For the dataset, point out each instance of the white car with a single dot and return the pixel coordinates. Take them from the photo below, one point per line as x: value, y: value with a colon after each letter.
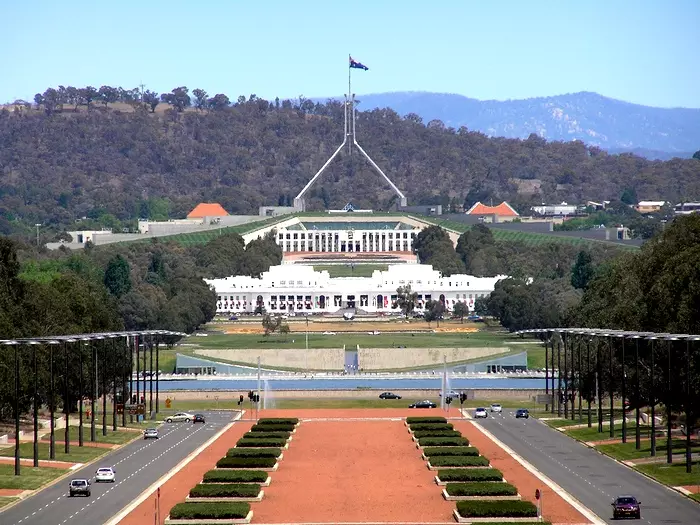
x: 495, y: 407
x: 105, y: 474
x: 480, y: 412
x: 180, y: 416
x: 150, y: 433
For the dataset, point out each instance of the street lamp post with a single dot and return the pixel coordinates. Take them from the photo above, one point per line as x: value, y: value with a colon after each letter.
x: 52, y: 405
x: 669, y: 396
x: 624, y: 394
x: 580, y: 382
x: 114, y: 383
x: 157, y: 374
x: 66, y: 400
x: 637, y: 395
x: 559, y: 378
x: 565, y: 340
x: 546, y: 371
x: 688, y: 404
x: 599, y: 386
x: 611, y: 390
x: 652, y: 400
x: 589, y: 383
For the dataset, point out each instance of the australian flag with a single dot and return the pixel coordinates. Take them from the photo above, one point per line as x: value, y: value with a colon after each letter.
x: 354, y: 64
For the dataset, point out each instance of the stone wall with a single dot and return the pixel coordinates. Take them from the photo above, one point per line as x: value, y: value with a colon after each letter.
x: 399, y: 358
x: 331, y: 359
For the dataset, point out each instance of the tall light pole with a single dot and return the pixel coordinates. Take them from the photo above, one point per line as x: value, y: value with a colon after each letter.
x: 37, y: 234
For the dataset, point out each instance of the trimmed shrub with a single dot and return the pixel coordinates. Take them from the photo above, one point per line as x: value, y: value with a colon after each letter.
x: 228, y: 490
x: 443, y: 442
x: 213, y: 510
x: 235, y: 476
x: 425, y: 419
x: 278, y: 421
x: 458, y: 461
x: 481, y: 489
x: 431, y: 426
x: 484, y: 474
x: 496, y: 509
x: 246, y: 462
x: 271, y: 428
x: 254, y: 453
x: 436, y: 433
x: 269, y: 442
x: 451, y: 451
x: 267, y: 435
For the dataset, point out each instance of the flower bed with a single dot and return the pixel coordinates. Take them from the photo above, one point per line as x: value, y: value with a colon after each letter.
x: 278, y: 421
x: 443, y: 442
x: 468, y: 510
x: 213, y: 512
x: 240, y: 463
x: 450, y: 451
x: 425, y: 419
x: 236, y: 476
x: 462, y: 475
x: 258, y: 443
x: 254, y: 453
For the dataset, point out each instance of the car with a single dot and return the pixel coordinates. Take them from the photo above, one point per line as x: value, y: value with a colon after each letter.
x: 423, y: 404
x: 150, y: 433
x: 495, y: 407
x: 480, y: 412
x: 389, y: 395
x: 105, y: 474
x: 198, y: 418
x: 79, y: 487
x: 452, y: 393
x: 180, y: 416
x: 522, y: 412
x: 626, y: 507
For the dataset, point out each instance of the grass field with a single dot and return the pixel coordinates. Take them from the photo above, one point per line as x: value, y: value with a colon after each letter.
x: 77, y: 454
x: 194, y: 238
x: 673, y: 475
x: 592, y: 434
x: 114, y: 438
x: 345, y: 270
x: 30, y: 478
x: 6, y: 501
x: 626, y: 451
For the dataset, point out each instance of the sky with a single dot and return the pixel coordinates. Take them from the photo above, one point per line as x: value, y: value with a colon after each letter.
x: 640, y: 51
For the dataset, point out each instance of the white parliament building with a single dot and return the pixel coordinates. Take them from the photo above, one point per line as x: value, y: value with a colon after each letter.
x: 296, y: 288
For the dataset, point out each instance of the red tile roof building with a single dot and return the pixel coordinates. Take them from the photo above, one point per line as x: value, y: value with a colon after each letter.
x: 207, y: 209
x: 502, y: 210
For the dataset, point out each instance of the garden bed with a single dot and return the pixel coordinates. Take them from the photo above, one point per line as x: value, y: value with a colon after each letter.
x: 237, y: 476
x: 495, y: 511
x: 450, y: 451
x: 442, y: 442
x: 265, y: 464
x: 480, y: 491
x: 255, y: 453
x: 219, y: 492
x: 424, y: 419
x: 287, y: 436
x: 422, y: 434
x: 273, y: 428
x: 209, y: 513
x: 444, y: 462
x: 468, y: 474
x: 262, y: 443
x: 279, y: 421
x: 419, y: 427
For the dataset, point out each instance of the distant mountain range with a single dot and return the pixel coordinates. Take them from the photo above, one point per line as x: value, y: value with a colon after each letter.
x: 613, y: 125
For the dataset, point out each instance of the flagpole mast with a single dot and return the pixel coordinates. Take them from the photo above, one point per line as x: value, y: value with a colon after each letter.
x: 348, y: 108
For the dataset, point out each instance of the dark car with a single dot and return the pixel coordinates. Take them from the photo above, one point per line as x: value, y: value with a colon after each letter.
x: 79, y: 486
x: 626, y: 507
x: 423, y: 404
x: 522, y: 412
x: 198, y: 418
x: 389, y: 395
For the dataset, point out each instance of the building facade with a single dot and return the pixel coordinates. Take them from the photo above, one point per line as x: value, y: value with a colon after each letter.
x: 300, y: 289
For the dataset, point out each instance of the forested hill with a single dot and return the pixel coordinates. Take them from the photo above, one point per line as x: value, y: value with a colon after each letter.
x: 101, y: 161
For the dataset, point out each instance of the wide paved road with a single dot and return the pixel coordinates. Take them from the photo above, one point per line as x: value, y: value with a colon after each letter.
x: 590, y: 477
x: 137, y: 465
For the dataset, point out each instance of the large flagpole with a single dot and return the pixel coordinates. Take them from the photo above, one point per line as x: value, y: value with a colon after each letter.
x: 348, y: 108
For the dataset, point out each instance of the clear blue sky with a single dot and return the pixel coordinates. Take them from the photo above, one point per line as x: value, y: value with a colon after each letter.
x: 642, y: 51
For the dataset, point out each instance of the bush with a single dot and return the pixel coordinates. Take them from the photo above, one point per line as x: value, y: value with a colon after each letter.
x: 496, y: 509
x: 266, y: 435
x: 278, y: 421
x: 268, y: 442
x: 443, y: 442
x: 235, y: 476
x: 431, y: 426
x: 458, y: 461
x: 451, y: 451
x: 482, y: 474
x: 425, y: 419
x: 228, y: 490
x: 254, y: 453
x: 436, y: 433
x: 272, y: 428
x: 246, y: 462
x: 213, y: 510
x: 481, y: 489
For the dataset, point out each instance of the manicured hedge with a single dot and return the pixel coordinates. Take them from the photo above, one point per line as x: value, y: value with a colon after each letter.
x: 254, y: 453
x: 246, y: 462
x: 431, y: 426
x: 278, y: 421
x: 271, y: 428
x: 268, y: 442
x: 458, y: 461
x: 481, y: 489
x: 213, y: 510
x: 425, y: 419
x: 235, y: 476
x: 451, y: 451
x: 482, y: 474
x: 437, y: 433
x: 443, y: 442
x: 267, y: 435
x: 224, y: 490
x: 496, y: 509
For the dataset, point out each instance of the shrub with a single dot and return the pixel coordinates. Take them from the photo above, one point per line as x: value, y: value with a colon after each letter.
x: 479, y: 488
x: 485, y: 474
x: 235, y: 476
x: 266, y: 435
x: 436, y: 433
x: 425, y: 419
x: 228, y: 490
x: 431, y: 426
x: 496, y: 509
x: 246, y: 462
x: 212, y: 510
x: 458, y: 461
x: 443, y: 442
x: 278, y: 421
x: 451, y: 451
x: 254, y: 453
x: 272, y: 428
x: 269, y: 442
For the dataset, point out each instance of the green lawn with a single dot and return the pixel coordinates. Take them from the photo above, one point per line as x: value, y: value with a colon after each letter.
x: 29, y: 478
x: 77, y: 454
x: 592, y: 434
x: 626, y: 451
x: 345, y: 270
x: 190, y: 239
x: 696, y: 497
x: 673, y: 475
x: 6, y: 501
x: 115, y: 438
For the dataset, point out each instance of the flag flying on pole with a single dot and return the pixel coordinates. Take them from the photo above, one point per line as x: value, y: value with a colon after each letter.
x: 357, y: 65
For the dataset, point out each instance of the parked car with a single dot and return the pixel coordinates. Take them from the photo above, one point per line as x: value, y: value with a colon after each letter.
x: 626, y: 507
x: 180, y: 416
x: 522, y: 412
x: 480, y: 412
x: 423, y: 404
x: 452, y: 393
x: 389, y: 395
x: 495, y: 407
x: 79, y: 487
x: 198, y: 418
x: 150, y: 433
x: 105, y: 474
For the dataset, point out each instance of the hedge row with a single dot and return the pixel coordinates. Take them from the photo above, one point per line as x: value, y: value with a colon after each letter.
x: 235, y: 476
x: 450, y: 451
x: 272, y: 428
x: 443, y: 442
x: 481, y: 488
x: 228, y: 462
x: 458, y: 461
x: 267, y: 435
x: 425, y: 419
x: 268, y: 442
x: 436, y: 433
x: 417, y: 427
x: 496, y: 509
x: 278, y: 421
x: 227, y: 490
x: 254, y: 453
x: 210, y: 510
x: 486, y: 474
